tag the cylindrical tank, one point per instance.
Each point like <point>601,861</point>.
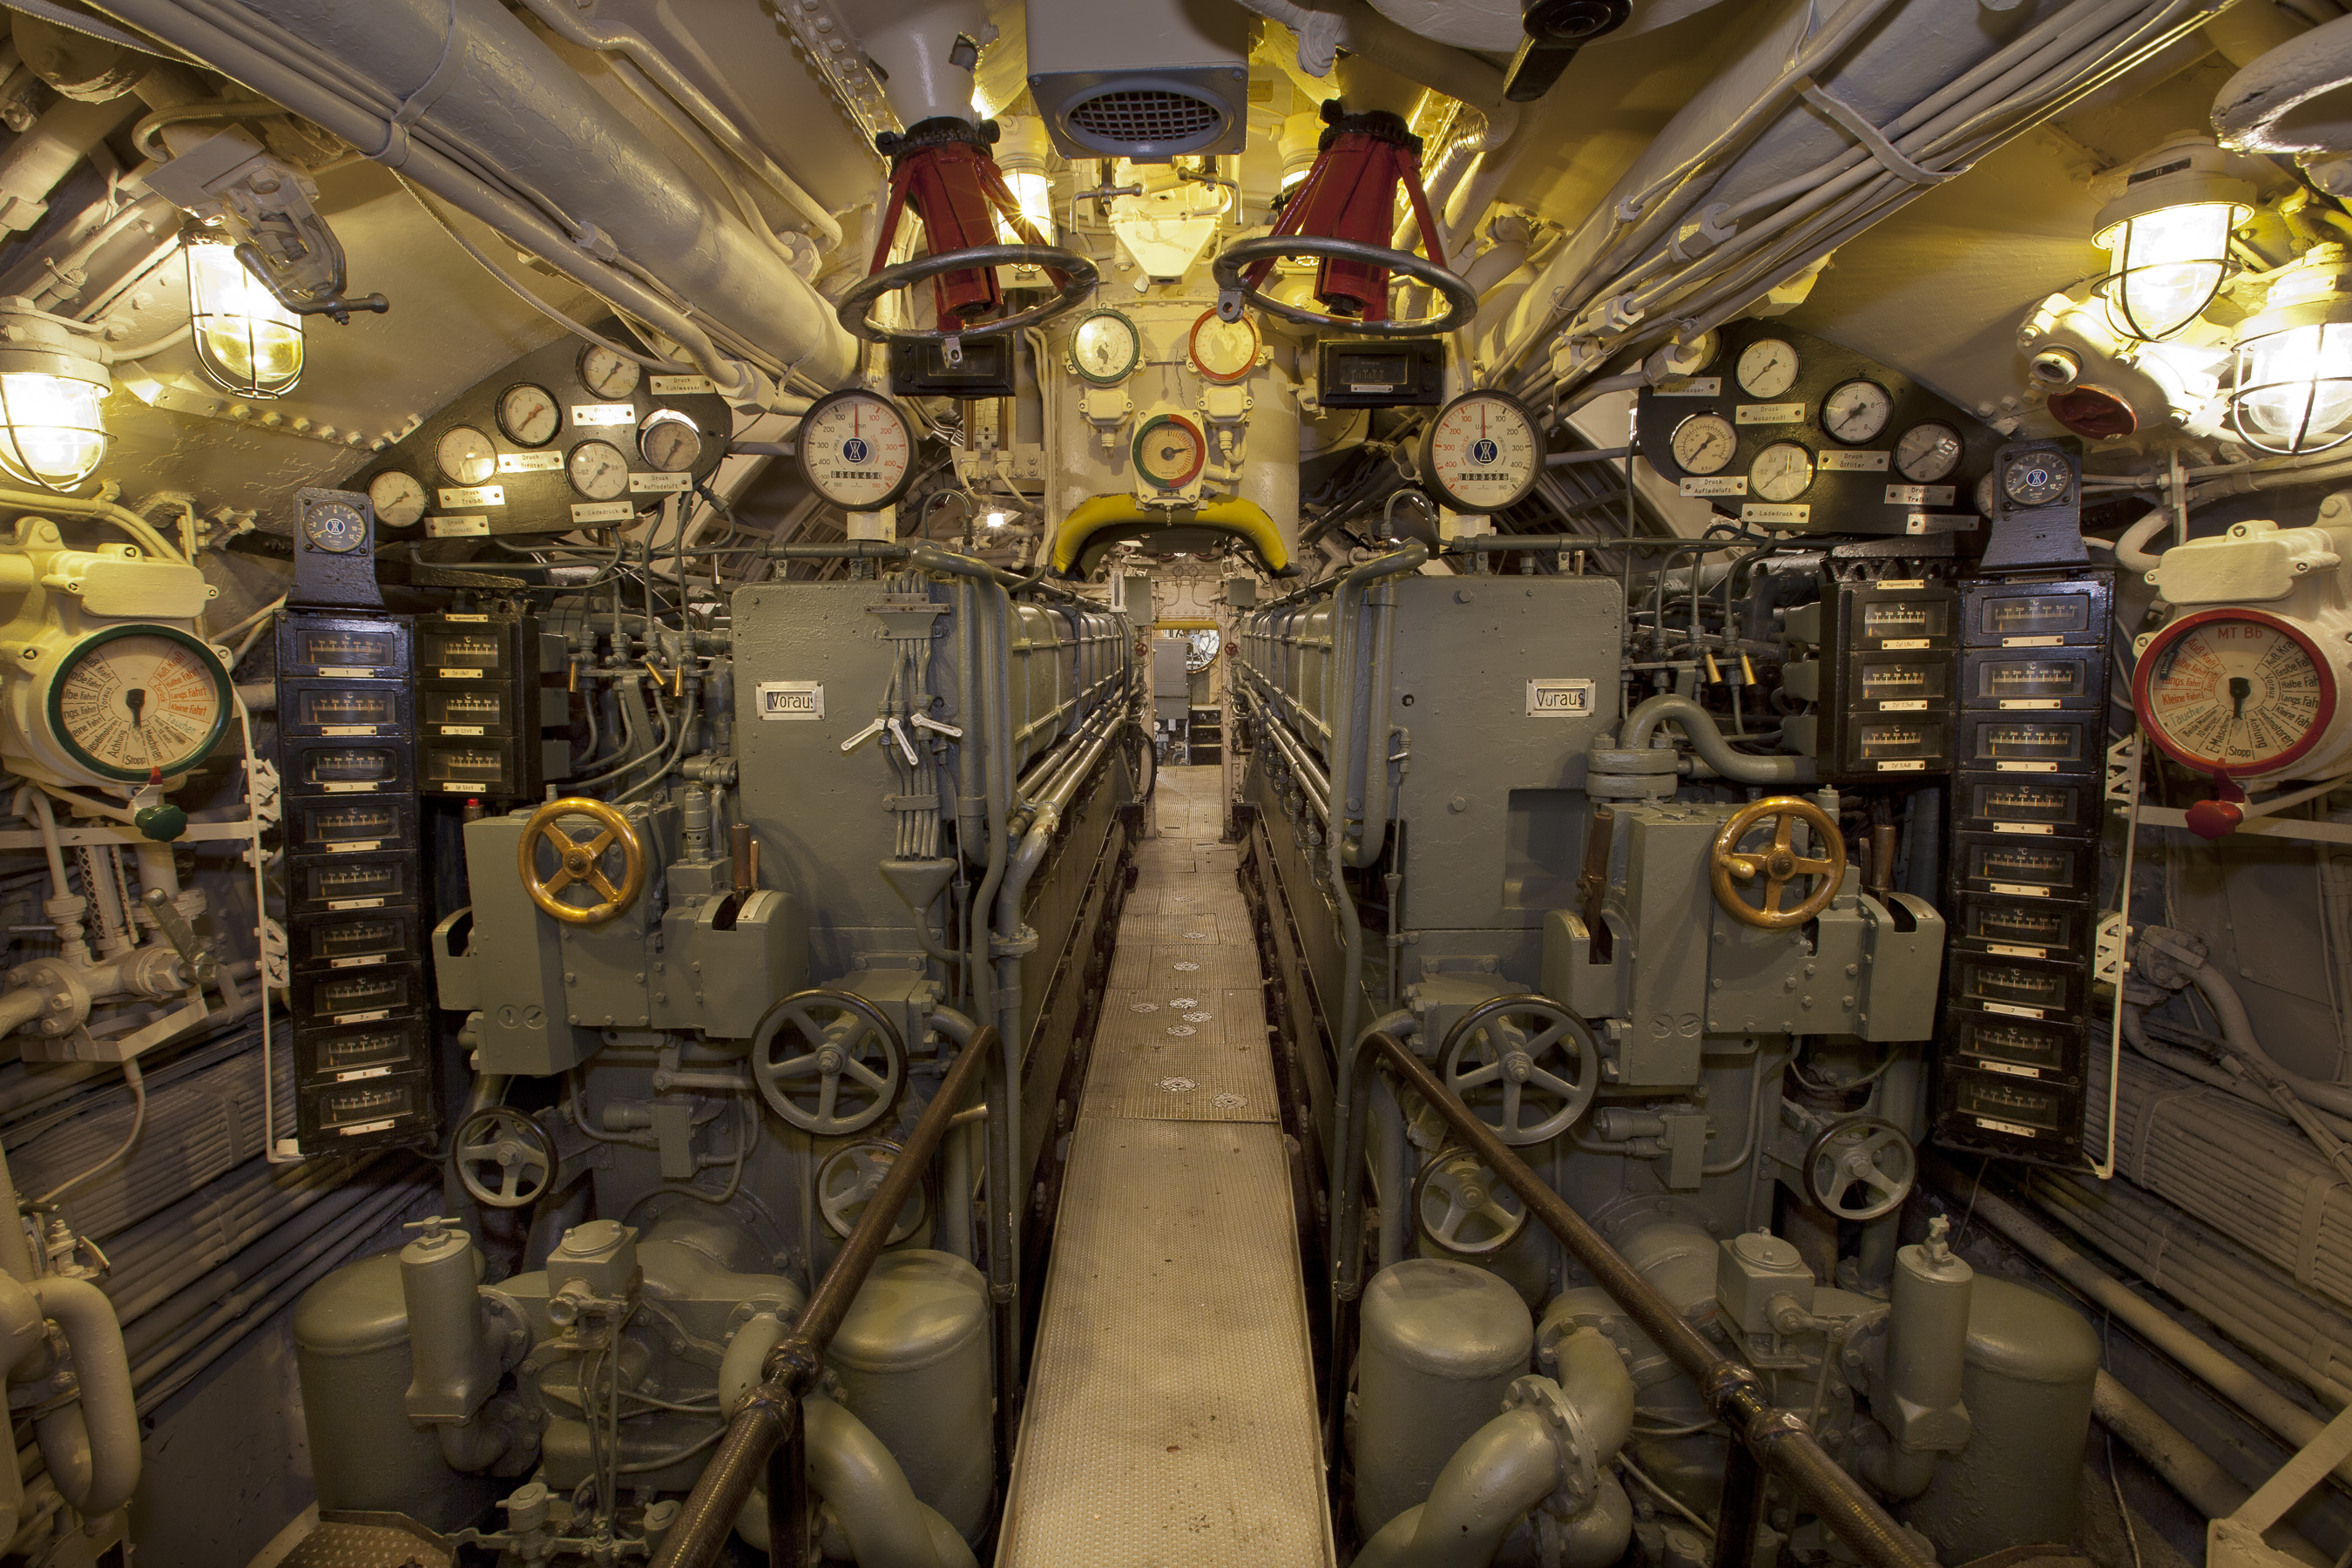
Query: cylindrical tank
<point>913,1357</point>
<point>1441,1343</point>
<point>350,1351</point>
<point>2032,1361</point>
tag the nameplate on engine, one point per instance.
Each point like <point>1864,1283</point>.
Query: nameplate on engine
<point>1561,697</point>
<point>791,700</point>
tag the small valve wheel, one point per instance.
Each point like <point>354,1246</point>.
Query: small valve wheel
<point>1525,1060</point>
<point>847,1179</point>
<point>1777,862</point>
<point>1462,1208</point>
<point>580,862</point>
<point>828,1061</point>
<point>1861,1168</point>
<point>505,1160</point>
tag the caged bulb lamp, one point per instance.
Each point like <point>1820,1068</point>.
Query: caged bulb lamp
<point>51,384</point>
<point>2167,237</point>
<point>2293,391</point>
<point>1021,154</point>
<point>247,342</point>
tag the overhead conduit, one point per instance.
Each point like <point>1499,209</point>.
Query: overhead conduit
<point>466,101</point>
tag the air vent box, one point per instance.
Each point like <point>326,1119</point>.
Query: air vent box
<point>1144,80</point>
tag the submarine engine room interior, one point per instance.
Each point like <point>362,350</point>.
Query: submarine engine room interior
<point>1165,783</point>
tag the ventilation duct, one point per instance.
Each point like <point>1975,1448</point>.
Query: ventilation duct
<point>1149,80</point>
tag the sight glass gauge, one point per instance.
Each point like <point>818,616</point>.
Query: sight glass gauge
<point>1782,471</point>
<point>1223,352</point>
<point>670,441</point>
<point>1105,348</point>
<point>2234,693</point>
<point>133,702</point>
<point>1768,367</point>
<point>398,499</point>
<point>1704,444</point>
<point>1856,412</point>
<point>1169,451</point>
<point>1927,454</point>
<point>598,471</point>
<point>1483,452</point>
<point>466,455</point>
<point>527,414</point>
<point>608,375</point>
<point>857,451</point>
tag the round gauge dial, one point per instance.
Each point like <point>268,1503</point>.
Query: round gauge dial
<point>1927,454</point>
<point>2233,691</point>
<point>334,526</point>
<point>858,451</point>
<point>1704,444</point>
<point>1223,352</point>
<point>133,702</point>
<point>1169,451</point>
<point>1768,367</point>
<point>1483,452</point>
<point>398,499</point>
<point>466,455</point>
<point>598,471</point>
<point>608,375</point>
<point>528,415</point>
<point>2036,478</point>
<point>1202,653</point>
<point>1781,471</point>
<point>1105,348</point>
<point>1856,412</point>
<point>670,441</point>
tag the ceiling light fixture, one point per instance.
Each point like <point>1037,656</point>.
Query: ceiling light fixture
<point>2293,391</point>
<point>247,342</point>
<point>51,384</point>
<point>2167,236</point>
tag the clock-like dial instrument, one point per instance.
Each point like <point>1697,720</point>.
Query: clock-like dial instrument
<point>466,455</point>
<point>670,441</point>
<point>1856,412</point>
<point>1782,471</point>
<point>1223,352</point>
<point>528,415</point>
<point>1927,454</point>
<point>2036,478</point>
<point>1768,367</point>
<point>135,701</point>
<point>1104,347</point>
<point>857,449</point>
<point>1704,444</point>
<point>1169,451</point>
<point>608,375</point>
<point>398,499</point>
<point>2235,692</point>
<point>1483,452</point>
<point>598,471</point>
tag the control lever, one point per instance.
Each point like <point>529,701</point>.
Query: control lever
<point>744,850</point>
<point>1878,871</point>
<point>202,964</point>
<point>1593,882</point>
<point>907,747</point>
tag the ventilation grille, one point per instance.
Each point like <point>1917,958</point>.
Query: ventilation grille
<point>1147,117</point>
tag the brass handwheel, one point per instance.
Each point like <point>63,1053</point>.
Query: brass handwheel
<point>1778,863</point>
<point>580,862</point>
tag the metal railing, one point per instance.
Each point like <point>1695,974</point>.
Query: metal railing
<point>1764,1438</point>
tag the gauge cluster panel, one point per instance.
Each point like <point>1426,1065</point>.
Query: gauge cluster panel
<point>489,688</point>
<point>1786,432</point>
<point>568,437</point>
<point>1881,662</point>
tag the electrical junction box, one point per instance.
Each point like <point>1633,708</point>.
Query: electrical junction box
<point>1400,372</point>
<point>1148,80</point>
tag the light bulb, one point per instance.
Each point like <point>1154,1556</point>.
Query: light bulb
<point>997,518</point>
<point>1034,194</point>
<point>247,342</point>
<point>2164,267</point>
<point>2299,384</point>
<point>50,430</point>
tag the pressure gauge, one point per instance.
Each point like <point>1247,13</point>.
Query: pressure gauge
<point>1856,412</point>
<point>1169,451</point>
<point>670,441</point>
<point>466,455</point>
<point>1202,653</point>
<point>1105,348</point>
<point>1768,367</point>
<point>1483,452</point>
<point>334,526</point>
<point>857,451</point>
<point>398,499</point>
<point>528,415</point>
<point>598,471</point>
<point>2234,691</point>
<point>1927,454</point>
<point>608,375</point>
<point>133,702</point>
<point>1704,444</point>
<point>1781,471</point>
<point>1223,352</point>
<point>2036,478</point>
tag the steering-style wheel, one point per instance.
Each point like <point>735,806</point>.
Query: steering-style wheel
<point>1778,862</point>
<point>1234,290</point>
<point>828,1061</point>
<point>505,1160</point>
<point>1079,274</point>
<point>580,862</point>
<point>1528,1060</point>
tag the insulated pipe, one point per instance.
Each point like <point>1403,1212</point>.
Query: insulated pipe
<point>2237,1025</point>
<point>1708,743</point>
<point>1505,1469</point>
<point>2186,1467</point>
<point>2289,1422</point>
<point>2129,554</point>
<point>91,1447</point>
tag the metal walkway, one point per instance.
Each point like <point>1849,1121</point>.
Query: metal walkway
<point>1170,1419</point>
